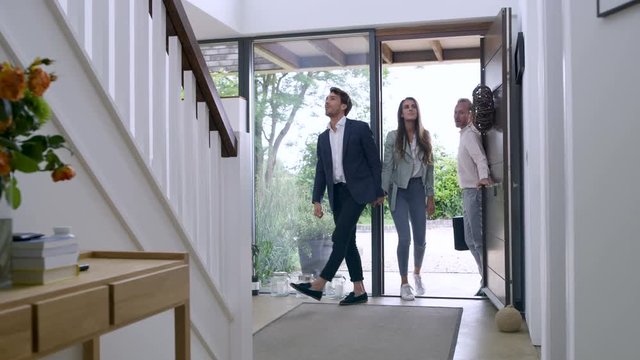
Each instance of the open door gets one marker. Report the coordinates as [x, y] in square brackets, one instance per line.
[502, 204]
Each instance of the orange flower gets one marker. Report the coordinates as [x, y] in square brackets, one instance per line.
[39, 81]
[65, 172]
[11, 83]
[5, 163]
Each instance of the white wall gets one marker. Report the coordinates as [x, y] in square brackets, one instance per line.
[602, 73]
[296, 16]
[533, 169]
[259, 17]
[580, 121]
[545, 211]
[223, 24]
[114, 202]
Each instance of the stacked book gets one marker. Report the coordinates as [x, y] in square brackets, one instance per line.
[44, 259]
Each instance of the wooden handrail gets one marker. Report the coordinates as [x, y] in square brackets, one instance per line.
[178, 24]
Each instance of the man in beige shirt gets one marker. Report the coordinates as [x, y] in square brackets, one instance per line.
[473, 174]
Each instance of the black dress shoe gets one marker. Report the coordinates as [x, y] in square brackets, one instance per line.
[305, 288]
[352, 299]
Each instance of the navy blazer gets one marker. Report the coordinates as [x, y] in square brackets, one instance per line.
[360, 161]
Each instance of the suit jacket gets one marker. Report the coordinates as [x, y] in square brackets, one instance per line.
[360, 161]
[397, 171]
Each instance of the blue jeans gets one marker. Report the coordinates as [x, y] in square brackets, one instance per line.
[410, 206]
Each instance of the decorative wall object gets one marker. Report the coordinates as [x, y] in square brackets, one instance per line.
[519, 58]
[608, 7]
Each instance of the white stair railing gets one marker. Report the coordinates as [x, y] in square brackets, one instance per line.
[142, 70]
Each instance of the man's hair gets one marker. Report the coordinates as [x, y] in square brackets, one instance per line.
[344, 99]
[465, 101]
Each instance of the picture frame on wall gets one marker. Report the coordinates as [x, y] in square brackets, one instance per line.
[608, 7]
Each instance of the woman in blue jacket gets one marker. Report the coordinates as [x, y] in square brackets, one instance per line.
[407, 177]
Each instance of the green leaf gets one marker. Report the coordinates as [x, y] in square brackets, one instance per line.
[56, 141]
[13, 196]
[23, 163]
[38, 139]
[33, 150]
[53, 161]
[9, 144]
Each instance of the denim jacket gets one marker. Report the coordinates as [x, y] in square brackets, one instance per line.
[397, 171]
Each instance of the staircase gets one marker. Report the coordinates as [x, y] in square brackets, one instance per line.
[161, 166]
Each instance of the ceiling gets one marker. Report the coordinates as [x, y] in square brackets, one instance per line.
[398, 47]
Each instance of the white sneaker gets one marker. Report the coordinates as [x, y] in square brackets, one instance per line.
[419, 287]
[406, 292]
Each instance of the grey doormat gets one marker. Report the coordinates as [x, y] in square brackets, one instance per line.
[369, 332]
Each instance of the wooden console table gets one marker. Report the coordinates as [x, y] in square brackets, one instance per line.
[119, 288]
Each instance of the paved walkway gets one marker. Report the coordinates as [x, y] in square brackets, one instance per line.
[440, 255]
[446, 271]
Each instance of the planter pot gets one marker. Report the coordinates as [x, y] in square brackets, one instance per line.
[314, 253]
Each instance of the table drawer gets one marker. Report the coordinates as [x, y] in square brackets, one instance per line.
[135, 298]
[61, 321]
[15, 332]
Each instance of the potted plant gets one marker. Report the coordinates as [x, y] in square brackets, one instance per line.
[313, 236]
[23, 111]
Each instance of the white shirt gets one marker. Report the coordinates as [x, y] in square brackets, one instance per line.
[417, 163]
[472, 161]
[336, 140]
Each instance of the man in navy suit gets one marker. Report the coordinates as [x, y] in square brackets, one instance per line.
[349, 169]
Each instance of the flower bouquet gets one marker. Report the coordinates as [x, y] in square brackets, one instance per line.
[23, 111]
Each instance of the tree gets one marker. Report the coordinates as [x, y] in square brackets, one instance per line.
[279, 98]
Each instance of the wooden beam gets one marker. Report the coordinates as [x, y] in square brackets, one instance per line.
[429, 55]
[434, 31]
[278, 54]
[387, 54]
[437, 49]
[330, 50]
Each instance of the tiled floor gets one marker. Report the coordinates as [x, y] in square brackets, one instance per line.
[478, 339]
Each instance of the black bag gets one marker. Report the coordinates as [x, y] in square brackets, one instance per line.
[458, 234]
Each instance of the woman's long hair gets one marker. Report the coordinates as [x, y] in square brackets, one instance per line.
[424, 139]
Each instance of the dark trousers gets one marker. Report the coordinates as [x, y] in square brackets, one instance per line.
[346, 213]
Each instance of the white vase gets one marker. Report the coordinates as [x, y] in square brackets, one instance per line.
[5, 243]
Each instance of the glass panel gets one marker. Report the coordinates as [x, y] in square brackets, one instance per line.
[222, 61]
[436, 86]
[292, 77]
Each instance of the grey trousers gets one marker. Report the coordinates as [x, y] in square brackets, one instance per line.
[472, 206]
[410, 206]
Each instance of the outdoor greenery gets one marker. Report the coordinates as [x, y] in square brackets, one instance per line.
[277, 247]
[447, 193]
[309, 227]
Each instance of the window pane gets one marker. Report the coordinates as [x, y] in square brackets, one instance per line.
[222, 61]
[292, 77]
